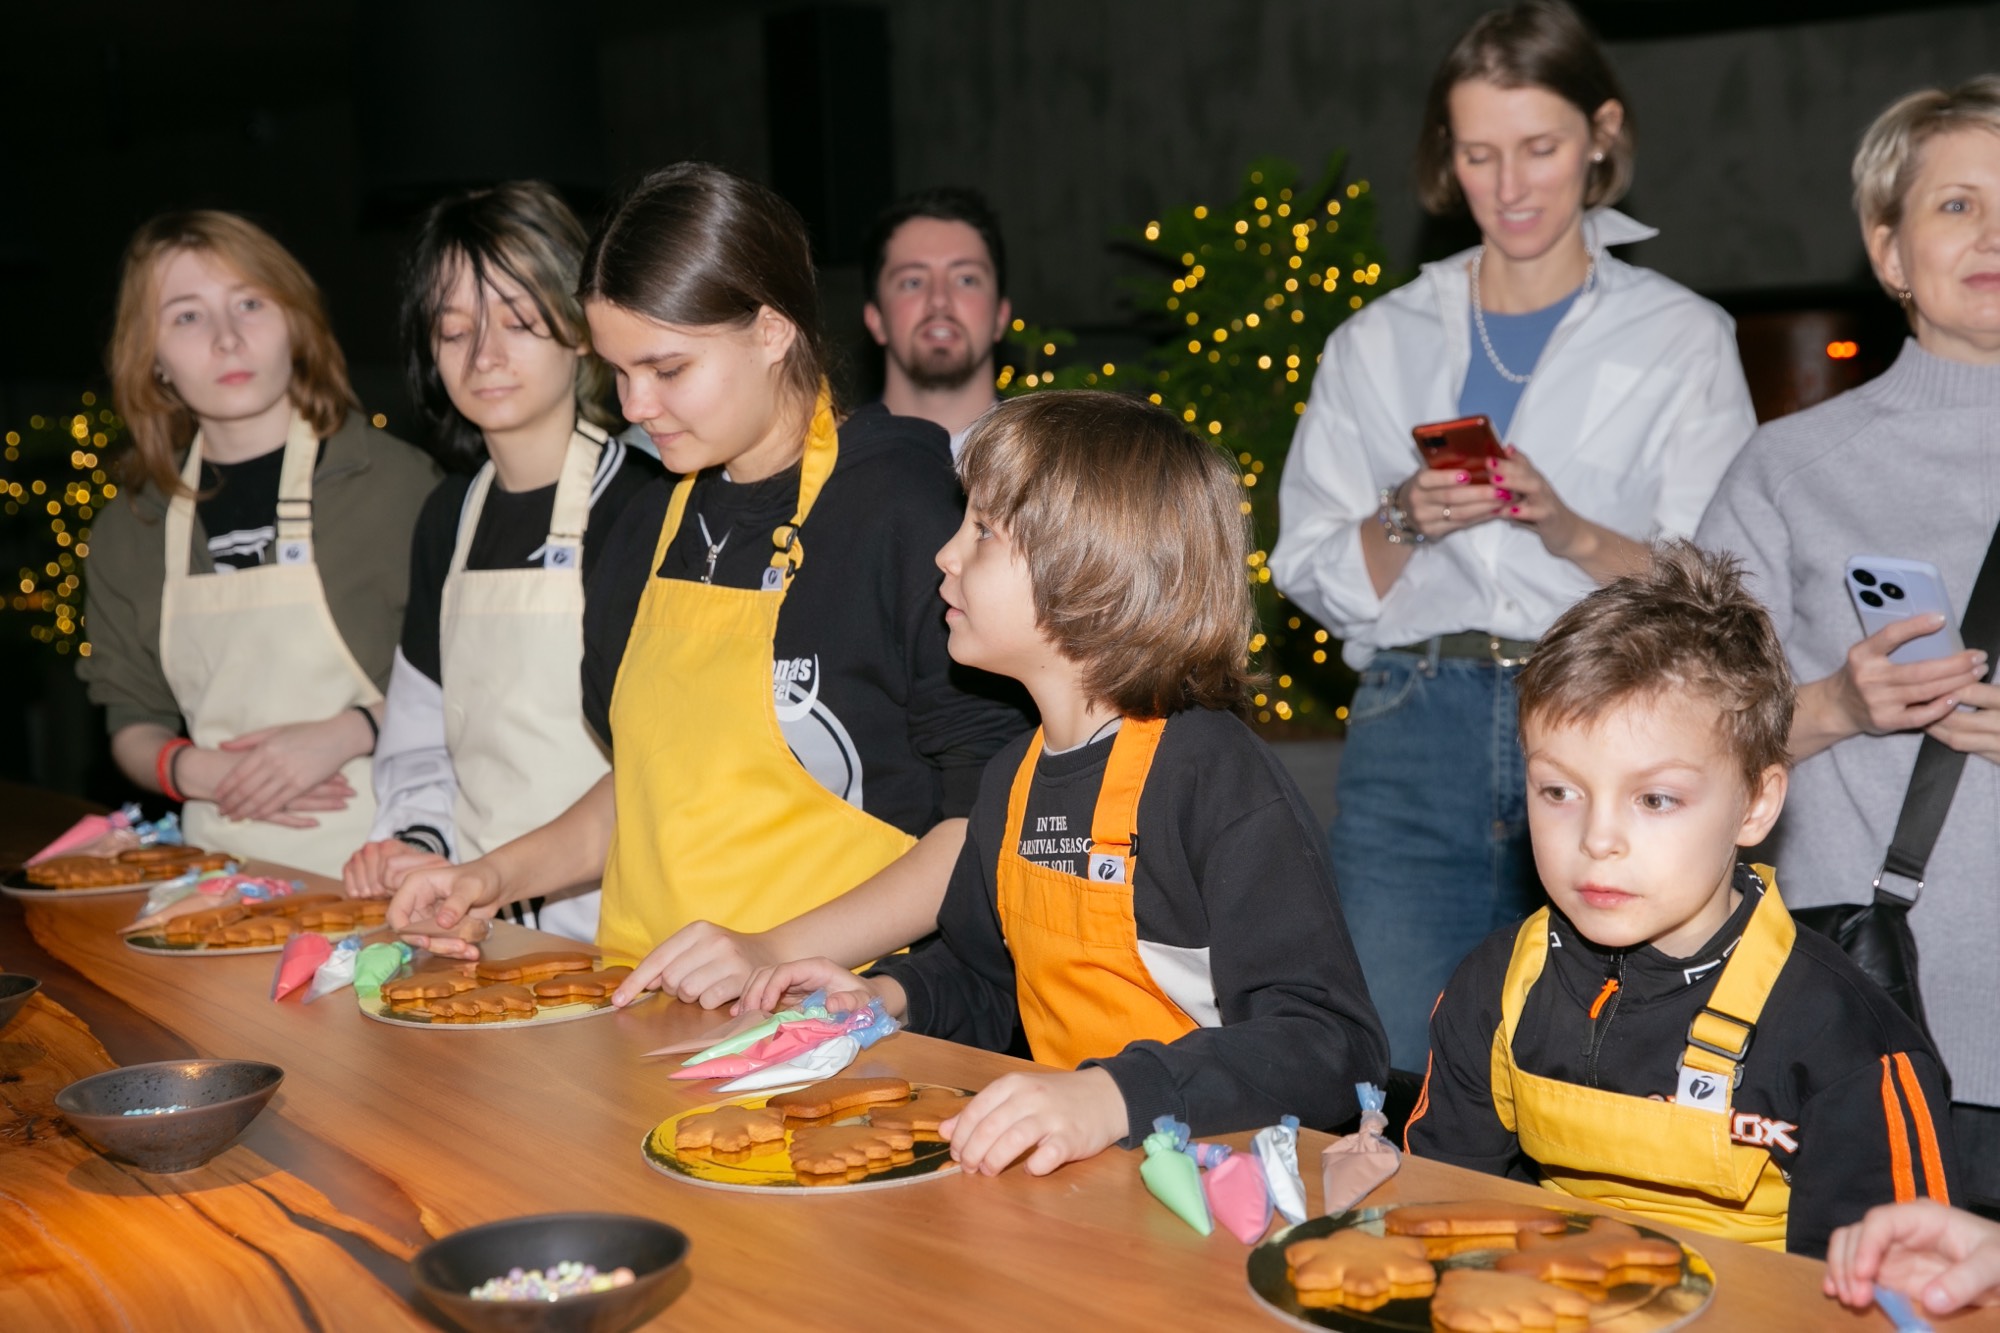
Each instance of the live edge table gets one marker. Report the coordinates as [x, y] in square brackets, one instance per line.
[382, 1138]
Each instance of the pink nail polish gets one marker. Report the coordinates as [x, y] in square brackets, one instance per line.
[1497, 479]
[1503, 495]
[1462, 478]
[1515, 510]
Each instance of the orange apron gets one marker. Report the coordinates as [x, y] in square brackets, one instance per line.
[717, 819]
[1084, 991]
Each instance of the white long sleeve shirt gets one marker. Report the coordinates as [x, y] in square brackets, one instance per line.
[1634, 411]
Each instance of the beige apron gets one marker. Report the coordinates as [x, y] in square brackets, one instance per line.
[255, 648]
[510, 642]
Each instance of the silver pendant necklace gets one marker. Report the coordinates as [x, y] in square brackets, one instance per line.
[714, 547]
[1479, 316]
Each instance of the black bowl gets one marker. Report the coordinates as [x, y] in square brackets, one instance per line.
[222, 1097]
[14, 992]
[447, 1270]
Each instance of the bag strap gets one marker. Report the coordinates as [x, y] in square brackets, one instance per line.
[1934, 780]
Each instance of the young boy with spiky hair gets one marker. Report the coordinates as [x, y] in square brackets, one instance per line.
[1661, 1038]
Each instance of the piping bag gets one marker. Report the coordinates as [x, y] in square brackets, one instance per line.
[377, 964]
[337, 972]
[822, 1061]
[297, 963]
[1353, 1165]
[867, 1025]
[745, 1038]
[1278, 1149]
[1238, 1196]
[1172, 1175]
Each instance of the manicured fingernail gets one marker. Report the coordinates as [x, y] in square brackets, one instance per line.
[1504, 495]
[1497, 478]
[1462, 477]
[1515, 510]
[1935, 618]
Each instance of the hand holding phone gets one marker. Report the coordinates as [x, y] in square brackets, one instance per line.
[1885, 589]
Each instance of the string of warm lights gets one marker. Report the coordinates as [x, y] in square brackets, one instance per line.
[1244, 297]
[53, 484]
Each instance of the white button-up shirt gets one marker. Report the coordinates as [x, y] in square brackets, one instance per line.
[1634, 411]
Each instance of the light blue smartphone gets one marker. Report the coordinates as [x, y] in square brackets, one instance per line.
[1885, 589]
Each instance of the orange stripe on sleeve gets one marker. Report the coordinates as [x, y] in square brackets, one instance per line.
[1899, 1138]
[1423, 1098]
[1927, 1144]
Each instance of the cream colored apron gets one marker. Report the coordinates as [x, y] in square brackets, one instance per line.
[510, 642]
[255, 648]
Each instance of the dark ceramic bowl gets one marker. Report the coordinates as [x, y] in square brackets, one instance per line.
[222, 1097]
[447, 1270]
[14, 992]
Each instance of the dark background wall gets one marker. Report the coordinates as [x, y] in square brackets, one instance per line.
[333, 120]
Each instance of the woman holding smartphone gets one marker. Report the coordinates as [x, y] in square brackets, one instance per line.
[1900, 468]
[764, 648]
[485, 737]
[1620, 400]
[250, 583]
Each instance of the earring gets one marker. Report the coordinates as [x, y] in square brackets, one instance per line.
[1597, 157]
[1906, 297]
[161, 375]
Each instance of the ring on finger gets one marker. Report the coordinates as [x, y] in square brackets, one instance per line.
[1447, 513]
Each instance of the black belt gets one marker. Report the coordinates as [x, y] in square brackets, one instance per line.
[1475, 645]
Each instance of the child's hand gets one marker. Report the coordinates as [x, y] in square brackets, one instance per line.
[1944, 1258]
[1062, 1117]
[773, 988]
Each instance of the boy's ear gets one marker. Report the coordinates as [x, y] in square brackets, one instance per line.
[1765, 804]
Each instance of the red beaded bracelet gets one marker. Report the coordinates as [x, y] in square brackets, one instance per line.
[163, 766]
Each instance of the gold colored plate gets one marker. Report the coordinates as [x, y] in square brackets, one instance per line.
[1632, 1308]
[766, 1168]
[379, 1010]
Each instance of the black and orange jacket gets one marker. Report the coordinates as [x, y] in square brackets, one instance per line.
[1839, 1085]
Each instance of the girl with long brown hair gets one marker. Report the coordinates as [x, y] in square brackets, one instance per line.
[250, 590]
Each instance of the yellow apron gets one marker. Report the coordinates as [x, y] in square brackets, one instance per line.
[717, 820]
[255, 648]
[510, 642]
[1665, 1161]
[1084, 991]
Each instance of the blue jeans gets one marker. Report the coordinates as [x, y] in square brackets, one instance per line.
[1430, 840]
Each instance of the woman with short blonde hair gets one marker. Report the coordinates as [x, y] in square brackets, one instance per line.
[1900, 467]
[251, 587]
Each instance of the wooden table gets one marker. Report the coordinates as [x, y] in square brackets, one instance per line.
[382, 1138]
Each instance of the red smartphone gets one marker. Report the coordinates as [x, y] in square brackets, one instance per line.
[1467, 445]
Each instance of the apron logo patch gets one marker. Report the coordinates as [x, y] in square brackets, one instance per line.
[774, 579]
[1703, 1091]
[294, 552]
[1107, 868]
[559, 557]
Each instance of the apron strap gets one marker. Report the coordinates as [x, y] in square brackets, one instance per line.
[468, 517]
[1114, 824]
[569, 513]
[1017, 795]
[822, 451]
[1720, 1035]
[1524, 969]
[294, 509]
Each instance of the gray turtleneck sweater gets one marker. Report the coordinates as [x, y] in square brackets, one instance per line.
[1906, 465]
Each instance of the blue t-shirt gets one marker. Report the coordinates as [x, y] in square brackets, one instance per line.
[1518, 340]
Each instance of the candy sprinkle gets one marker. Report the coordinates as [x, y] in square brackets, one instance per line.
[565, 1279]
[154, 1110]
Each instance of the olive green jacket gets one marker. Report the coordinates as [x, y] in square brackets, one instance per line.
[367, 490]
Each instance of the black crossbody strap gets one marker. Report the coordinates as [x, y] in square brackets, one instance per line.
[1934, 781]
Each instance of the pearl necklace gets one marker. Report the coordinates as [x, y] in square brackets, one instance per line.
[1479, 316]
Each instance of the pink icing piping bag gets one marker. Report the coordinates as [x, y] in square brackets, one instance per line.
[1238, 1196]
[300, 958]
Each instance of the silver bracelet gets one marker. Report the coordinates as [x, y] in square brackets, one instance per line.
[1395, 523]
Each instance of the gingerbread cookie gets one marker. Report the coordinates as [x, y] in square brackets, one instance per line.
[198, 925]
[572, 987]
[253, 931]
[83, 872]
[293, 904]
[531, 967]
[929, 1109]
[435, 980]
[1358, 1270]
[1479, 1218]
[840, 1095]
[1471, 1300]
[346, 914]
[161, 854]
[841, 1148]
[731, 1129]
[1592, 1257]
[487, 1004]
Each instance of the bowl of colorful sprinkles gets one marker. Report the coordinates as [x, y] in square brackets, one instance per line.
[572, 1272]
[172, 1115]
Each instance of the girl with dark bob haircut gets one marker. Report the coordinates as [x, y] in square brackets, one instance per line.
[764, 648]
[485, 737]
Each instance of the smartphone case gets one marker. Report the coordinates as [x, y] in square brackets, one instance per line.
[1885, 589]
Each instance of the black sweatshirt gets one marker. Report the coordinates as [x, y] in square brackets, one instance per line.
[1820, 1088]
[513, 527]
[1230, 864]
[878, 712]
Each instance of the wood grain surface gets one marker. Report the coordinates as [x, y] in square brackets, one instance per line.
[384, 1137]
